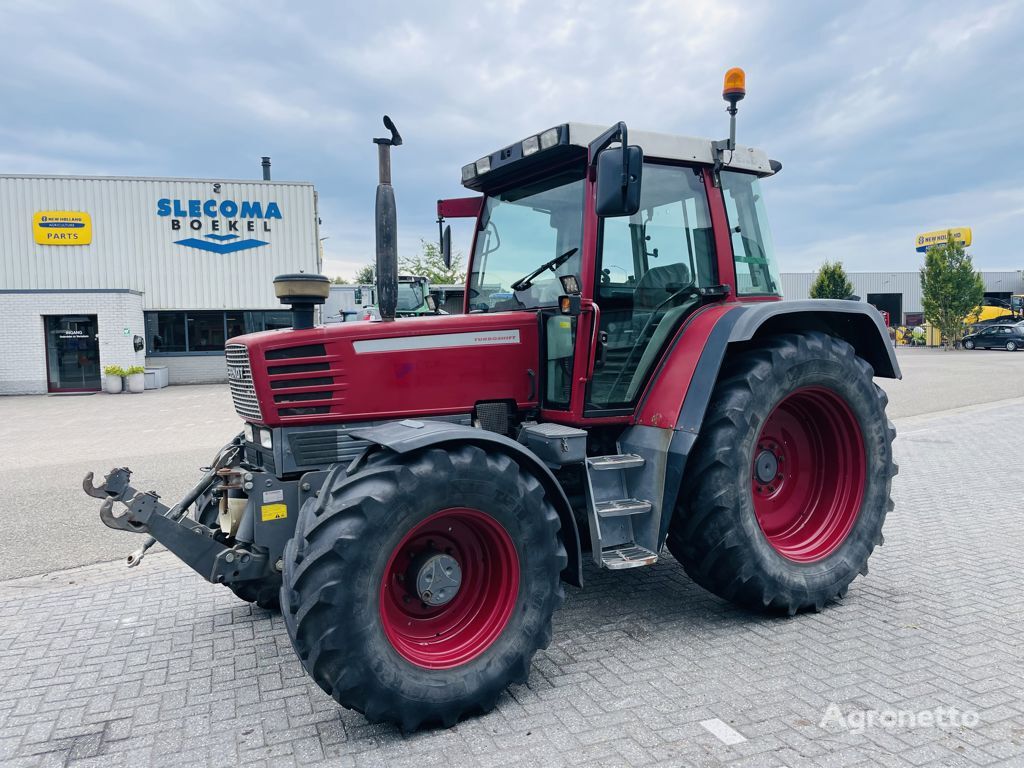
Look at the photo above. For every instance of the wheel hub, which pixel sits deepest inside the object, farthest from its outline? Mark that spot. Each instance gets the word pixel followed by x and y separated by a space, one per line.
pixel 437 578
pixel 766 466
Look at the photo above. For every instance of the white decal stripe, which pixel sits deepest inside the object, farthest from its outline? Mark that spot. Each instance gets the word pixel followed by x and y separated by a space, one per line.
pixel 438 341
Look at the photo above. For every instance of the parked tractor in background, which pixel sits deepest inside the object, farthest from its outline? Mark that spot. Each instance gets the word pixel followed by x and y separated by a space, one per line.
pixel 414 299
pixel 625 380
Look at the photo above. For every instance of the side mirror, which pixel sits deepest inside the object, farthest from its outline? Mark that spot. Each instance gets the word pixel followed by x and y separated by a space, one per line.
pixel 446 246
pixel 619 171
pixel 431 303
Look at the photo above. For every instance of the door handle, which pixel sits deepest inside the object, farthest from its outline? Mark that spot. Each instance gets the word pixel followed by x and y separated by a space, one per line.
pixel 602 346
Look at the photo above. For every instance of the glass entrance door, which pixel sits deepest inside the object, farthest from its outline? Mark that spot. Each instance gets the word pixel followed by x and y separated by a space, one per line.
pixel 72 353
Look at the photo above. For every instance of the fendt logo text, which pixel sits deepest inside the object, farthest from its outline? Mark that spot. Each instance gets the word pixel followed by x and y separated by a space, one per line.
pixel 221 221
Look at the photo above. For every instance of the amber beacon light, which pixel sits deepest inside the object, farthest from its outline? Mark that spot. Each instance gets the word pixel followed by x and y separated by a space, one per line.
pixel 735 86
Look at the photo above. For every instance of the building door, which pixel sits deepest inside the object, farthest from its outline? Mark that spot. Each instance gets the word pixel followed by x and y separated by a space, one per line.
pixel 72 353
pixel 889 302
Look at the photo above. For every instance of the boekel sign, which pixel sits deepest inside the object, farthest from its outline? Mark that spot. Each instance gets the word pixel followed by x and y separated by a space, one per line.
pixel 62 228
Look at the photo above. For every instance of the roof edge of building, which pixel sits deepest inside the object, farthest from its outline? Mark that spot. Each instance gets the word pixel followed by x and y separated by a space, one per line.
pixel 74 177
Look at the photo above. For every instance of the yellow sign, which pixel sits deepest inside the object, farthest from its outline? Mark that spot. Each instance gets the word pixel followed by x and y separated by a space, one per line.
pixel 273 512
pixel 62 228
pixel 927 239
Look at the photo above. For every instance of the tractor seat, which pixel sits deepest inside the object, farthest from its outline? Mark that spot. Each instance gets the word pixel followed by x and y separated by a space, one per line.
pixel 658 283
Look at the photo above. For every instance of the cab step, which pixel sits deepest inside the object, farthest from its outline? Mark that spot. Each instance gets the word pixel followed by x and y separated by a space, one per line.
pixel 620 507
pixel 627 556
pixel 615 461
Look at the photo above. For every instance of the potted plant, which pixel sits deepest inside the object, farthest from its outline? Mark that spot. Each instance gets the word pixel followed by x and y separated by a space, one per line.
pixel 113 381
pixel 136 377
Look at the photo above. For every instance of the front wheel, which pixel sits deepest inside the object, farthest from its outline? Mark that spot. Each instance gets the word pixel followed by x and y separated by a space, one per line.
pixel 1011 346
pixel 968 344
pixel 418 589
pixel 788 485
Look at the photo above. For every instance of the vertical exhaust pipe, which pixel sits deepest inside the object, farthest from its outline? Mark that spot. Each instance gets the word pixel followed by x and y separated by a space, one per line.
pixel 386 216
pixel 266 168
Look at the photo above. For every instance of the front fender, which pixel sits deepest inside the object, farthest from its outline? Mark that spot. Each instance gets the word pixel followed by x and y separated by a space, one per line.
pixel 410 435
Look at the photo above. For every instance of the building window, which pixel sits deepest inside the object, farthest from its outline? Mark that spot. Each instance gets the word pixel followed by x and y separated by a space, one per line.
pixel 206 332
pixel 165 332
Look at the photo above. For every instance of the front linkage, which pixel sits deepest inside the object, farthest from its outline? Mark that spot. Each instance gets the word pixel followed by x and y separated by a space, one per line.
pixel 219 545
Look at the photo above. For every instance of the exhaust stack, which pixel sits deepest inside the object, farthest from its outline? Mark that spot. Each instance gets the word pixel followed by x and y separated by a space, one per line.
pixel 266 168
pixel 386 216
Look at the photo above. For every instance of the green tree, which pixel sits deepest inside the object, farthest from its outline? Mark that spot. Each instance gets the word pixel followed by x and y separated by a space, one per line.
pixel 950 286
pixel 831 282
pixel 339 280
pixel 366 275
pixel 430 264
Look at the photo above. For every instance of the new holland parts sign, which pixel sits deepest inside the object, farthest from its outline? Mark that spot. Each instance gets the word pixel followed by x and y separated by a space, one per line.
pixel 62 228
pixel 220 226
pixel 926 240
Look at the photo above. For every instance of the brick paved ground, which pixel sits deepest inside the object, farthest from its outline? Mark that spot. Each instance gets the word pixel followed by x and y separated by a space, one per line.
pixel 100 666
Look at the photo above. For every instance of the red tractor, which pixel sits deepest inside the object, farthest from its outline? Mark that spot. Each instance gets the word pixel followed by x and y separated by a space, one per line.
pixel 625 379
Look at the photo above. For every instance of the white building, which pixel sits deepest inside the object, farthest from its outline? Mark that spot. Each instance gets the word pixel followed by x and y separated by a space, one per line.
pixel 138 271
pixel 899 293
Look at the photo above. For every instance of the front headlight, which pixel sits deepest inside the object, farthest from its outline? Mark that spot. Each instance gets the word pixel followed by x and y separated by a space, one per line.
pixel 266 438
pixel 247 431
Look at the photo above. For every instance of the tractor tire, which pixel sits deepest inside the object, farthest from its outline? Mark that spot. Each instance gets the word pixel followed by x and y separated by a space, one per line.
pixel 375 610
pixel 788 485
pixel 263 592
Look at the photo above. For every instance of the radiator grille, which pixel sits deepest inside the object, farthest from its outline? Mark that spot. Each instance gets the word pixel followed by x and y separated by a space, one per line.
pixel 243 393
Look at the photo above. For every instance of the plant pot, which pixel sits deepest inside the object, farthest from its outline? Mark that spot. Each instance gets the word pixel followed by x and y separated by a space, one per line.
pixel 136 382
pixel 112 384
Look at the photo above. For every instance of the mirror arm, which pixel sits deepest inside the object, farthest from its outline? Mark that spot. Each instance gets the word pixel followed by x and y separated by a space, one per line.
pixel 616 133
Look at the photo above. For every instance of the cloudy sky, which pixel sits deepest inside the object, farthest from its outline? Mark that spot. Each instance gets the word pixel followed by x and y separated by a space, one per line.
pixel 890 118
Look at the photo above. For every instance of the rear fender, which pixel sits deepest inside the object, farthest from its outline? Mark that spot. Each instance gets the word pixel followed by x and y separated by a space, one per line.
pixel 681 390
pixel 409 435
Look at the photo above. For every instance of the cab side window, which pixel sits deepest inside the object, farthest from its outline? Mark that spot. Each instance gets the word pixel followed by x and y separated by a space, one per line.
pixel 649 268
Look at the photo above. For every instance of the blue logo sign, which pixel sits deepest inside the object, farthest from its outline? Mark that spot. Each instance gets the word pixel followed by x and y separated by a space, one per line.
pixel 223 246
pixel 218 217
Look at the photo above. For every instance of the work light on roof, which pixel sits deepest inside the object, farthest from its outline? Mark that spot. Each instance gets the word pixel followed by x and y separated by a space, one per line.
pixel 468 171
pixel 549 138
pixel 483 165
pixel 531 145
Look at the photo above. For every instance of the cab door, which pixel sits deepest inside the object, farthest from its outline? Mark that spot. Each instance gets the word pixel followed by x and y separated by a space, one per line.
pixel 650 267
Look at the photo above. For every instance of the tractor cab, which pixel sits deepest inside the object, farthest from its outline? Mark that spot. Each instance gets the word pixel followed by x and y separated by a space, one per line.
pixel 680 228
pixel 414 297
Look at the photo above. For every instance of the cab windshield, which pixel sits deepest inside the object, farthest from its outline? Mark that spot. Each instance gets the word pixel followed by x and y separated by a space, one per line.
pixel 410 296
pixel 521 229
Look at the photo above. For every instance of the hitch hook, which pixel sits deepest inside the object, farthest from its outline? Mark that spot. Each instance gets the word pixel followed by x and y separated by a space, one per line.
pixel 119 522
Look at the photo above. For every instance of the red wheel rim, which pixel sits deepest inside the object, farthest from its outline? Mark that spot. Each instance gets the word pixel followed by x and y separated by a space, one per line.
pixel 807 506
pixel 440 637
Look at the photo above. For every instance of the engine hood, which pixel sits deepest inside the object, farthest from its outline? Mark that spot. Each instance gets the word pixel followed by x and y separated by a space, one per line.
pixel 439 365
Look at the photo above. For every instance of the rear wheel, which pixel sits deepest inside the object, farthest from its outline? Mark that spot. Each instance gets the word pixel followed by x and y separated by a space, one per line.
pixel 1011 346
pixel 418 589
pixel 788 485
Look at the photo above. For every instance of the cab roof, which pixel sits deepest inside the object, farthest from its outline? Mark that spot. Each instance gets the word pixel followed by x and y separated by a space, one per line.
pixel 571 140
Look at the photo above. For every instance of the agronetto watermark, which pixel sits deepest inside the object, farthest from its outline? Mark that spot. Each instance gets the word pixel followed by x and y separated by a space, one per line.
pixel 860 720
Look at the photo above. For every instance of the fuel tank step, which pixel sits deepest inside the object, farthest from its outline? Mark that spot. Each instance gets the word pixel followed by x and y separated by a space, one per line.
pixel 627 556
pixel 620 507
pixel 615 461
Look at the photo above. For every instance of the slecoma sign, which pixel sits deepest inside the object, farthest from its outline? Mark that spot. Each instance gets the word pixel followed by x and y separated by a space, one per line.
pixel 221 222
